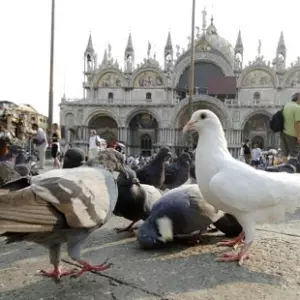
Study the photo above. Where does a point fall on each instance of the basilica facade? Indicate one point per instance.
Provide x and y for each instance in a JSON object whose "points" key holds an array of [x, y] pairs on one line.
{"points": [[145, 105]]}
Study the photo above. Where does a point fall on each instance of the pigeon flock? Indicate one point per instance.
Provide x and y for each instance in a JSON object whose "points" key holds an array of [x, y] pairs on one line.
{"points": [[177, 202]]}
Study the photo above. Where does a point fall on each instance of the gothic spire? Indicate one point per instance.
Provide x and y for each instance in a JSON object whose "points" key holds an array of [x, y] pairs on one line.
{"points": [[89, 47], [281, 48], [239, 48], [105, 58], [204, 13], [129, 47], [169, 45]]}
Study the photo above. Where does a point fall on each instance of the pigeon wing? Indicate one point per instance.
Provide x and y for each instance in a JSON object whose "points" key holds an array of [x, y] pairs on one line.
{"points": [[86, 196], [152, 195], [196, 199], [23, 211], [247, 189]]}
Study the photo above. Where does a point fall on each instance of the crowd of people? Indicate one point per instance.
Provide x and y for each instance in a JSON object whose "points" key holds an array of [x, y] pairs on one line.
{"points": [[259, 158], [287, 122]]}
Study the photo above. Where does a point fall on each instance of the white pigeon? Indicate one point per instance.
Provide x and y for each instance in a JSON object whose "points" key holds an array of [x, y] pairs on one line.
{"points": [[251, 195]]}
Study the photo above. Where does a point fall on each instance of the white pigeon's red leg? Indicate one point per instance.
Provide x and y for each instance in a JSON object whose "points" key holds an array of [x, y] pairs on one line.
{"points": [[248, 224], [129, 228], [239, 256], [234, 242]]}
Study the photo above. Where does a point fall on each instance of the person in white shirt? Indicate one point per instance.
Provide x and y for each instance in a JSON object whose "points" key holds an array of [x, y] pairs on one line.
{"points": [[94, 144], [256, 155], [41, 144]]}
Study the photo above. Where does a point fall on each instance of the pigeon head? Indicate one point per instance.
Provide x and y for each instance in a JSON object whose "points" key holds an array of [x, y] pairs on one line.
{"points": [[111, 160], [148, 237], [128, 178], [165, 153], [185, 157], [202, 120]]}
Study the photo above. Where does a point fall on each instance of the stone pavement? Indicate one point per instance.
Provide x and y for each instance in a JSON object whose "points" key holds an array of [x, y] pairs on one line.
{"points": [[177, 272]]}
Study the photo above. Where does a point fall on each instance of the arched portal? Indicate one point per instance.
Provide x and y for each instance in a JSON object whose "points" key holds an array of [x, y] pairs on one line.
{"points": [[204, 72], [257, 130], [143, 133], [146, 145], [105, 126], [259, 141]]}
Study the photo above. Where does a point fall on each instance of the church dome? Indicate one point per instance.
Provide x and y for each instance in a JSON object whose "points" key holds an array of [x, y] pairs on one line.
{"points": [[219, 43]]}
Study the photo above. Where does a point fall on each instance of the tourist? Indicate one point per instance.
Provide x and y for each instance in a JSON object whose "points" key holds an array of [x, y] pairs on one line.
{"points": [[94, 144], [256, 156], [41, 144], [55, 146], [290, 137], [246, 152]]}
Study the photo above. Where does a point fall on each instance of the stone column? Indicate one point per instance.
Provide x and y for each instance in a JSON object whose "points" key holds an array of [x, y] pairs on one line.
{"points": [[67, 134], [86, 133], [228, 136], [79, 133], [160, 138], [239, 137], [122, 134]]}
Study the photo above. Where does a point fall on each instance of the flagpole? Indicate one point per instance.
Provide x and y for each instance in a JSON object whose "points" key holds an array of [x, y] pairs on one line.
{"points": [[50, 102], [192, 73]]}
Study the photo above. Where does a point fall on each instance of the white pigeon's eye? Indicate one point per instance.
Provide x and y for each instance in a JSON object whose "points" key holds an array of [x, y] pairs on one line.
{"points": [[203, 116]]}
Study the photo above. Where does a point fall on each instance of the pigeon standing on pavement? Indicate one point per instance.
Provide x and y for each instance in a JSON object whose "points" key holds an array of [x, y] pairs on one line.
{"points": [[63, 205], [249, 194], [183, 215], [154, 172], [135, 200]]}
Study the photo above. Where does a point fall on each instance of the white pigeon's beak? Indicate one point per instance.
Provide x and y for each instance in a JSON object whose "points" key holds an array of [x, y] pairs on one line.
{"points": [[188, 126]]}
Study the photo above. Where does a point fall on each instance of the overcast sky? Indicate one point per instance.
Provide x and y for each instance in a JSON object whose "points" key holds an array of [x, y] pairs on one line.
{"points": [[25, 37]]}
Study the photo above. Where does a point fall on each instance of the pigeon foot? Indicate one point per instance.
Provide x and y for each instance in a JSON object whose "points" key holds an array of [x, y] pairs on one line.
{"points": [[129, 228], [86, 267], [240, 256], [57, 273], [228, 257], [233, 243]]}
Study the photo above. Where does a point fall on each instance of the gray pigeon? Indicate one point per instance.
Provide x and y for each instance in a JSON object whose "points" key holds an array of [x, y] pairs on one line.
{"points": [[182, 214], [63, 205], [154, 172], [135, 200], [179, 172]]}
